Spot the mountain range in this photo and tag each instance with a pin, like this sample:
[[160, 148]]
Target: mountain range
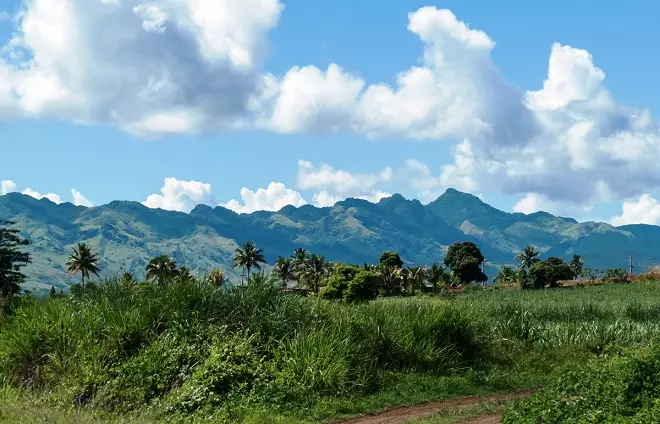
[[128, 234]]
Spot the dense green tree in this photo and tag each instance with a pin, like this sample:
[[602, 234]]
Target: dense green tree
[[549, 273], [83, 261], [162, 269], [577, 265], [528, 257], [12, 259], [392, 259], [249, 256], [284, 269], [363, 287], [506, 275], [465, 259]]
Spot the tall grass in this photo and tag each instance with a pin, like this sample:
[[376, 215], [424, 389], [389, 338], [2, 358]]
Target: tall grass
[[119, 346], [187, 347]]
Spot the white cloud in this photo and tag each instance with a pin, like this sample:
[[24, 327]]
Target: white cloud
[[332, 185], [150, 67], [50, 196], [180, 66], [645, 210], [79, 199], [309, 99], [272, 198], [181, 196], [324, 199], [7, 186]]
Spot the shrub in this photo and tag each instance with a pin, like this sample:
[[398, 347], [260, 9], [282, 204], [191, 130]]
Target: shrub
[[232, 370], [615, 275], [363, 286], [622, 389]]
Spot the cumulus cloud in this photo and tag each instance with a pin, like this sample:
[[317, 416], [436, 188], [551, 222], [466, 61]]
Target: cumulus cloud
[[50, 196], [332, 185], [644, 210], [7, 186], [272, 198], [181, 196], [179, 66], [153, 67], [79, 199]]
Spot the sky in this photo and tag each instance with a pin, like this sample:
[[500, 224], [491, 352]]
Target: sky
[[256, 104]]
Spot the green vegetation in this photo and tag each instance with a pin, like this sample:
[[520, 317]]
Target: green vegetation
[[190, 350], [182, 348], [12, 259], [127, 235]]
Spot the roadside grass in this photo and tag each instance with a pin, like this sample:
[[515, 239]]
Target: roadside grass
[[187, 352]]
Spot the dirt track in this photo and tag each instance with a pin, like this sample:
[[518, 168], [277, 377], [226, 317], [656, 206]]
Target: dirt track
[[486, 419], [406, 414]]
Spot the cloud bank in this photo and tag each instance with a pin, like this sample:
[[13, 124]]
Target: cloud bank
[[180, 66]]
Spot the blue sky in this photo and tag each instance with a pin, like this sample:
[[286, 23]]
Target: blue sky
[[61, 144]]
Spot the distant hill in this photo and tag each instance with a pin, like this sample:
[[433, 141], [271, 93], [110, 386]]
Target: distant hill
[[128, 234]]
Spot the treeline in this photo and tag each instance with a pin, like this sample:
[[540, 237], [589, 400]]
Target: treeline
[[312, 273]]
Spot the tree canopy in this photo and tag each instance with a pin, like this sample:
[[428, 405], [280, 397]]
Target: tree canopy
[[391, 259], [465, 259], [12, 259]]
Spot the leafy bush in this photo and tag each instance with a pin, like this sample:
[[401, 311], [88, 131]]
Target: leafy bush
[[362, 287], [233, 370], [622, 389], [615, 275]]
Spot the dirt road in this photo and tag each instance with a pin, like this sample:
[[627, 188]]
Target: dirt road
[[406, 414]]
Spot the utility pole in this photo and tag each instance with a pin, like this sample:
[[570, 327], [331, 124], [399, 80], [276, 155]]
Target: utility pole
[[631, 266], [483, 269]]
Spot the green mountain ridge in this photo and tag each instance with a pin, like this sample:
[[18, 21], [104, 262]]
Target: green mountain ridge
[[128, 234]]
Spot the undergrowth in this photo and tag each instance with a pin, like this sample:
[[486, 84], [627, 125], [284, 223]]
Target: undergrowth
[[189, 351]]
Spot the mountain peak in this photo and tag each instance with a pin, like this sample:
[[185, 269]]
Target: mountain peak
[[455, 206]]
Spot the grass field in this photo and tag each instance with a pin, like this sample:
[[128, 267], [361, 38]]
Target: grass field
[[188, 352]]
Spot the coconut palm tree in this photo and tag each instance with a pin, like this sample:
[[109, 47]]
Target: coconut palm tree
[[284, 269], [314, 270], [436, 275], [162, 269], [217, 277], [249, 256], [506, 275], [577, 266], [298, 261], [389, 277], [528, 257], [416, 277], [83, 261]]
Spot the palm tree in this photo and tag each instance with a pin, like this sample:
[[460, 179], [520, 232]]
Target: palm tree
[[435, 274], [217, 277], [162, 269], [284, 269], [506, 275], [83, 261], [313, 271], [389, 277], [416, 275], [298, 261], [249, 256], [528, 257], [577, 266]]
